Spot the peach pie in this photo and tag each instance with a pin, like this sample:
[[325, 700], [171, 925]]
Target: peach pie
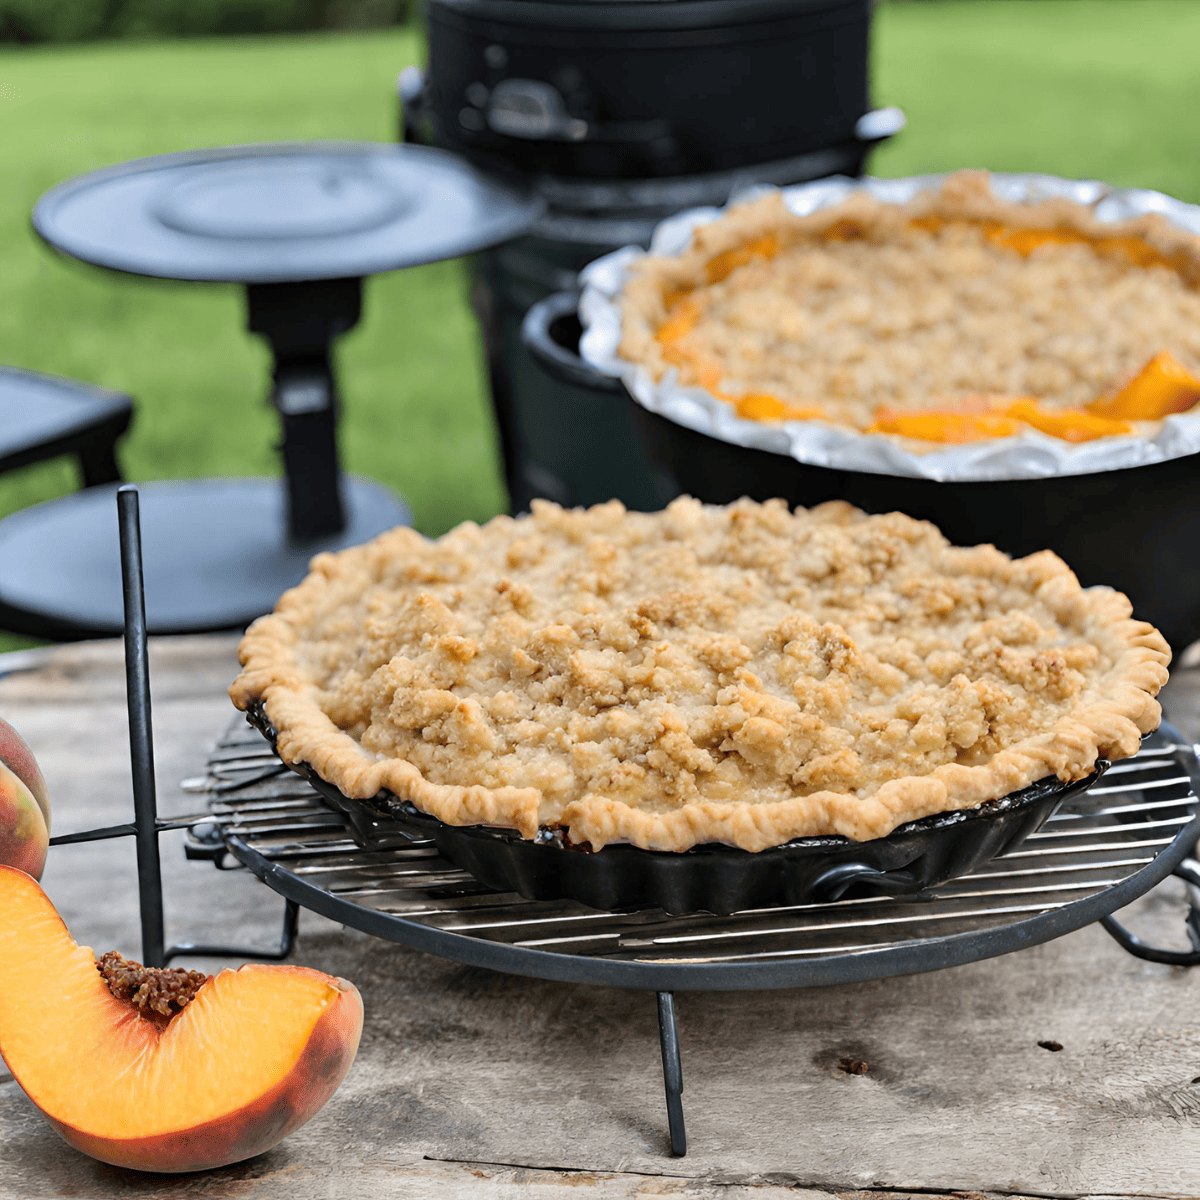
[[954, 317], [740, 674]]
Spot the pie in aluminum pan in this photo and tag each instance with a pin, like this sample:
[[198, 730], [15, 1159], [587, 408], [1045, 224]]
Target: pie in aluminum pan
[[954, 317], [742, 674]]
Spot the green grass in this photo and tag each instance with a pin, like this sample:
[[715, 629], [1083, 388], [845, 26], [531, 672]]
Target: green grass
[[1101, 89], [1089, 88]]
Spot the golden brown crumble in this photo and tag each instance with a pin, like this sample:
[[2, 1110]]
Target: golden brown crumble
[[867, 304], [741, 674]]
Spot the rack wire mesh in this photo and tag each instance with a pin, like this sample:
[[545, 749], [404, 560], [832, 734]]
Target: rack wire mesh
[[1096, 854]]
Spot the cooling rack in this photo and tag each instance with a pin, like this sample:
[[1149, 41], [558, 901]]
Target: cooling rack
[[1103, 849]]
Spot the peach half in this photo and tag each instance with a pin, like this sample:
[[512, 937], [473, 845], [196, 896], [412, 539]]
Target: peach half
[[164, 1070], [16, 755], [24, 834]]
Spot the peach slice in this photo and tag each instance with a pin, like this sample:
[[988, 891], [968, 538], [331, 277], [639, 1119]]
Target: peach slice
[[1162, 387], [164, 1070], [724, 265], [681, 320], [951, 426], [1069, 424], [761, 406]]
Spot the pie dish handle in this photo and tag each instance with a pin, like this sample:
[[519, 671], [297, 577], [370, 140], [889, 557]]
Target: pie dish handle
[[551, 331], [834, 882]]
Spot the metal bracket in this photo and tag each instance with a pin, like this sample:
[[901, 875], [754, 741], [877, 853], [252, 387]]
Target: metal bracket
[[672, 1072], [834, 882], [206, 843], [128, 829], [287, 942], [1189, 872]]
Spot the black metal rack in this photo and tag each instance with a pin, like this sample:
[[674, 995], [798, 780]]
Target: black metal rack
[[1103, 849], [146, 824]]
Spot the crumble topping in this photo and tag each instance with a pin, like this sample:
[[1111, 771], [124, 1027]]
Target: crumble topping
[[742, 673], [955, 300]]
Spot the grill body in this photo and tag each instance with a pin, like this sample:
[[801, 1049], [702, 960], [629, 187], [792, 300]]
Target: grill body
[[644, 88], [618, 113]]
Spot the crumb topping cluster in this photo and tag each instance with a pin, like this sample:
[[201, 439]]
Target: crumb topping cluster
[[742, 674]]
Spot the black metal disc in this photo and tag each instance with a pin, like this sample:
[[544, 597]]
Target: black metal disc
[[215, 551], [283, 212]]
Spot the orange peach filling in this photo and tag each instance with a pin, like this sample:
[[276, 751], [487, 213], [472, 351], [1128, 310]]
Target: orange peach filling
[[1161, 388]]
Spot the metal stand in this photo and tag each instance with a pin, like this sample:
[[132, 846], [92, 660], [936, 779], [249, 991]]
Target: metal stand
[[672, 1072], [301, 321], [1189, 872], [141, 737], [1105, 848], [146, 824]]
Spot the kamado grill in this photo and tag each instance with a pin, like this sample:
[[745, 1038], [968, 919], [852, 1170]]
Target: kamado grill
[[617, 114]]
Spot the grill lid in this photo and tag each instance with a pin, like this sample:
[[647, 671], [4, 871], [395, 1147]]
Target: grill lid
[[635, 14], [641, 88]]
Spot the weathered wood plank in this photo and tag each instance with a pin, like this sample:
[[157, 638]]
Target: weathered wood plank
[[461, 1067]]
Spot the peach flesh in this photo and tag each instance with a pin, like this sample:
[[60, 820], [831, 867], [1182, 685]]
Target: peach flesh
[[254, 1055]]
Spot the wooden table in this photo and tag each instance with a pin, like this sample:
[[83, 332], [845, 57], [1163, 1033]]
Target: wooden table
[[492, 1086]]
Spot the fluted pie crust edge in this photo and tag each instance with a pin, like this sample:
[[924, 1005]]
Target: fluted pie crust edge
[[750, 754]]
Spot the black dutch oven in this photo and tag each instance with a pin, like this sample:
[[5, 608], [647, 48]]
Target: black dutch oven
[[1130, 529]]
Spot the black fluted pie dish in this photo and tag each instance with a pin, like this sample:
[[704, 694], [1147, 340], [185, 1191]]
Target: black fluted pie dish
[[710, 877]]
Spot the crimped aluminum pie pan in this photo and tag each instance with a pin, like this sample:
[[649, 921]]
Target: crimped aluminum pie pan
[[711, 877], [1030, 455]]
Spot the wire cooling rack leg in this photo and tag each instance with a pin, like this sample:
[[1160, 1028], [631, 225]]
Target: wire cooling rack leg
[[668, 1036], [141, 742], [287, 941]]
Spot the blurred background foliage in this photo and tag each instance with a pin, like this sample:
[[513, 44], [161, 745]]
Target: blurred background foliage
[[79, 20]]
